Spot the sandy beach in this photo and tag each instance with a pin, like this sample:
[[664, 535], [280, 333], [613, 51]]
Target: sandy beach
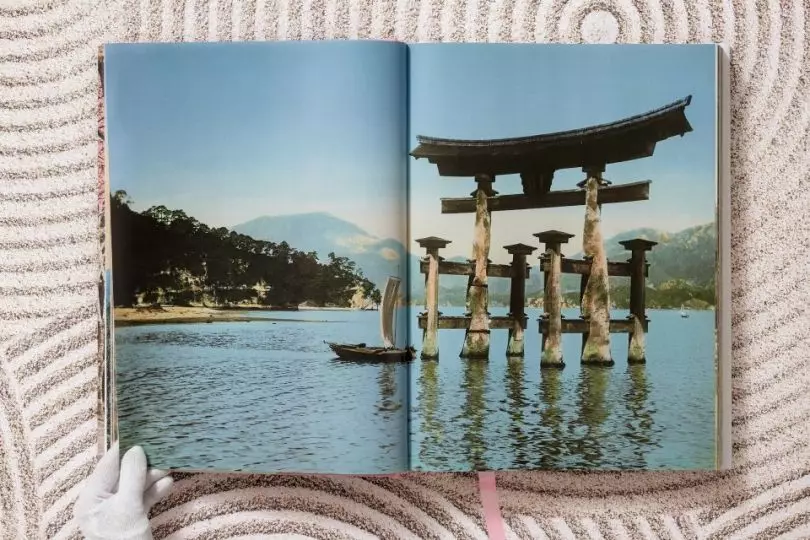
[[178, 315], [174, 314], [331, 308]]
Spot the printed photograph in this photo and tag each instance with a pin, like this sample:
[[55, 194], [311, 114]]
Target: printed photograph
[[369, 257], [563, 256], [258, 254]]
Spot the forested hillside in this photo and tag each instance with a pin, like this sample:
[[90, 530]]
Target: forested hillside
[[166, 255]]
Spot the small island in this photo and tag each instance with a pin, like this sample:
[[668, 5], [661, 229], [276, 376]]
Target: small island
[[179, 270]]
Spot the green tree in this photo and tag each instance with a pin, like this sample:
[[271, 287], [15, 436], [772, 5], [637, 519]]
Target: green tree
[[371, 292], [165, 250]]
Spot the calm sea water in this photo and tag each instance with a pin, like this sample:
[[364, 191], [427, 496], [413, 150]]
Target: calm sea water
[[503, 414], [265, 396]]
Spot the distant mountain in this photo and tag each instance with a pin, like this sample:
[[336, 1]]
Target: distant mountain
[[324, 233], [687, 255], [690, 254], [319, 232]]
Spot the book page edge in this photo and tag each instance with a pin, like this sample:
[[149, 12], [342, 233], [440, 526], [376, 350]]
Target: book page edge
[[723, 316]]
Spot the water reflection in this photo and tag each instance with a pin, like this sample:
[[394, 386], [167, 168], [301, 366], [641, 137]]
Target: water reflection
[[432, 429], [516, 403], [551, 442], [593, 411], [388, 389], [639, 424], [474, 412], [594, 417], [260, 397], [266, 397], [510, 413]]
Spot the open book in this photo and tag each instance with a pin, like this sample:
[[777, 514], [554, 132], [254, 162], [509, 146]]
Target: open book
[[374, 257]]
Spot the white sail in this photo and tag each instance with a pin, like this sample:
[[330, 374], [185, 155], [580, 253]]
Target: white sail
[[389, 304]]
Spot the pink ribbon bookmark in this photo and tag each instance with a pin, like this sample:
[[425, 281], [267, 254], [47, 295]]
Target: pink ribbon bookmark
[[492, 508]]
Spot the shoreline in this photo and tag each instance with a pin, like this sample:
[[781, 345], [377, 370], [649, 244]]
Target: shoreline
[[197, 314], [271, 308], [709, 308], [139, 316]]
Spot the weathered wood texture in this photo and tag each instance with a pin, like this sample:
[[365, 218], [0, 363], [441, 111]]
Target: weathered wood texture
[[635, 191], [517, 297], [536, 157], [468, 269], [476, 342], [583, 267], [430, 345], [552, 338], [636, 353], [596, 299], [461, 322], [551, 262], [430, 338], [583, 308], [515, 346], [581, 326], [638, 269]]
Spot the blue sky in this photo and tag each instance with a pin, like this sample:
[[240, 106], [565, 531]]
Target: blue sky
[[230, 132], [472, 91]]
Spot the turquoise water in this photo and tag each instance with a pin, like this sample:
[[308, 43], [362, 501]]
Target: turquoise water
[[505, 414], [261, 396], [269, 396]]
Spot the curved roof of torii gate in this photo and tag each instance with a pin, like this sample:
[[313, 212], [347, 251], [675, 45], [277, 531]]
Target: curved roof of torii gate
[[627, 139]]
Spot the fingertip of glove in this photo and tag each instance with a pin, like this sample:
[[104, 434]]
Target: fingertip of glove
[[136, 455], [133, 472], [158, 491]]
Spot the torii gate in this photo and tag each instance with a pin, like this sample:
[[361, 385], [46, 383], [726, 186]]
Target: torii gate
[[536, 158]]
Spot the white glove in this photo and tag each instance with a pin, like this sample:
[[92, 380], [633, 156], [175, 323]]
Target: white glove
[[112, 507]]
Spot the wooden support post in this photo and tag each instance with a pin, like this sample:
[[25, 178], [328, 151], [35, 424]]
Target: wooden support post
[[596, 299], [476, 342], [638, 248], [552, 298], [636, 353], [517, 297], [470, 281], [430, 342], [583, 308], [467, 311]]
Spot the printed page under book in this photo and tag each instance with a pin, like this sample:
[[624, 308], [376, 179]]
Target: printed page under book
[[564, 257], [258, 227]]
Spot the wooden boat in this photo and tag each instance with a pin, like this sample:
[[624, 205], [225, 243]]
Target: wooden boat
[[360, 352]]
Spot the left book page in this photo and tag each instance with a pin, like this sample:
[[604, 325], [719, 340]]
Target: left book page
[[255, 215]]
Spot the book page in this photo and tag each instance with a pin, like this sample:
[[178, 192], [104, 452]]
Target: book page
[[257, 224], [564, 254]]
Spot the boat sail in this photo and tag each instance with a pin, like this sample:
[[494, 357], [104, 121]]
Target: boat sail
[[684, 314], [360, 352], [388, 314]]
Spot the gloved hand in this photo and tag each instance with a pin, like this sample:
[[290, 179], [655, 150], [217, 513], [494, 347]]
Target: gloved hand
[[113, 507]]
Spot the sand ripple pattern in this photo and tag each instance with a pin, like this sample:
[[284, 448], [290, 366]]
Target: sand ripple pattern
[[49, 254]]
